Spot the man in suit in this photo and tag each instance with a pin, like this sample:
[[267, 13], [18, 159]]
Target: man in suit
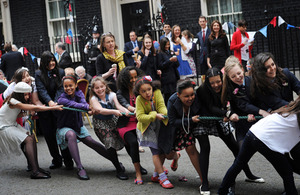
[[202, 41], [132, 47], [64, 58], [167, 30], [11, 61]]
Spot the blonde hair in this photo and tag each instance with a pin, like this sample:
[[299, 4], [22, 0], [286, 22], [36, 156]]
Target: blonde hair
[[230, 63]]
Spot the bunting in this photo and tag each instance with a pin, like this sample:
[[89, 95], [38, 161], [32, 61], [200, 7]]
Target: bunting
[[68, 40], [273, 21], [70, 32]]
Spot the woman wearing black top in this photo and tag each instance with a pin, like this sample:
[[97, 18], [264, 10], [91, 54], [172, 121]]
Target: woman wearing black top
[[49, 87], [218, 47], [168, 65], [209, 94], [149, 58], [110, 55]]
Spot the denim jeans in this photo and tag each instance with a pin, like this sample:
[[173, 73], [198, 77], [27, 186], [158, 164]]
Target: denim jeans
[[250, 146]]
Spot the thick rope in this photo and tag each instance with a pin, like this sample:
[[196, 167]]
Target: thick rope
[[221, 118]]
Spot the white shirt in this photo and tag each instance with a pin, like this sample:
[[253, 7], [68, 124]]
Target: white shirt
[[279, 133], [111, 97], [244, 53], [8, 115]]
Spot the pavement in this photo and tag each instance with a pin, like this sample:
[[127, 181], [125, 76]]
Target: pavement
[[15, 180]]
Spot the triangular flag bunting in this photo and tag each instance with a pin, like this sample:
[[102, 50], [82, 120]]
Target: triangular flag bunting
[[32, 57], [230, 25], [25, 51], [70, 32], [21, 50], [71, 18], [68, 40], [280, 20], [225, 27], [290, 26], [273, 21], [264, 31], [70, 7]]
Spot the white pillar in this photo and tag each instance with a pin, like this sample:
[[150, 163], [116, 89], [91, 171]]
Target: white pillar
[[7, 29]]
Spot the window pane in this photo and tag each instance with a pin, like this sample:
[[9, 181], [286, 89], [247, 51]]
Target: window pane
[[57, 29], [61, 9], [237, 5], [225, 6], [227, 18], [53, 10], [212, 7], [0, 12], [211, 19]]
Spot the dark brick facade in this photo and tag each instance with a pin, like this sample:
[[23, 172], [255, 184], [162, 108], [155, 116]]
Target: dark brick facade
[[283, 43], [184, 12], [29, 21]]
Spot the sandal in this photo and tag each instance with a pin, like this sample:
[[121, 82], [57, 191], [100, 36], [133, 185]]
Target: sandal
[[173, 167], [182, 179], [138, 182], [166, 186]]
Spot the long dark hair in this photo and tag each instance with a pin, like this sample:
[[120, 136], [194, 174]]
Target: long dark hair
[[19, 74], [260, 82], [212, 35], [215, 97], [292, 108], [162, 44], [17, 96], [123, 81], [47, 56]]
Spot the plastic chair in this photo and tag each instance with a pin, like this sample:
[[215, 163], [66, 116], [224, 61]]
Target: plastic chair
[[83, 85]]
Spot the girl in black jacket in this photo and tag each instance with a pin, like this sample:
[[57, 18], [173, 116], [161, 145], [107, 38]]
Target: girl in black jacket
[[209, 94], [168, 64]]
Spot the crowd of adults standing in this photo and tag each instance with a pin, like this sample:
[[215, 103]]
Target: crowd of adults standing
[[119, 82]]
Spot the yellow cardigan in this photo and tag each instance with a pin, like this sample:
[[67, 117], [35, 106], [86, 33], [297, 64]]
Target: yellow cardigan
[[144, 113]]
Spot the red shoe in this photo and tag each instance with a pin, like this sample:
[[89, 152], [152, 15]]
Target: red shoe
[[154, 179], [173, 167], [166, 170], [166, 186], [138, 182]]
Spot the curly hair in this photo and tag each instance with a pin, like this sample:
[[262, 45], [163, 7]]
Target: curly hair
[[140, 81], [260, 82], [123, 81]]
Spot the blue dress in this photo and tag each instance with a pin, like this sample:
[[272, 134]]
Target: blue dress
[[184, 67]]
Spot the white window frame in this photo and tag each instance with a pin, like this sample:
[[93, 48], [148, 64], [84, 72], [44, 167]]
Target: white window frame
[[75, 56], [219, 15]]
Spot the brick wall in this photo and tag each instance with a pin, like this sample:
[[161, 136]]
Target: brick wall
[[283, 43], [184, 12], [29, 20]]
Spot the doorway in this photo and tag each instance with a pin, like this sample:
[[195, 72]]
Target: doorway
[[135, 16]]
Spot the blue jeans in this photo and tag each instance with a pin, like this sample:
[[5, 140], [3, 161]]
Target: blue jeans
[[250, 146]]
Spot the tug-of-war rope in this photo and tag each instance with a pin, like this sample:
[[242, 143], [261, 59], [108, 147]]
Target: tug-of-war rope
[[201, 117]]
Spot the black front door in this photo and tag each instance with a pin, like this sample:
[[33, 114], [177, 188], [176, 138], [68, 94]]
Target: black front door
[[136, 16]]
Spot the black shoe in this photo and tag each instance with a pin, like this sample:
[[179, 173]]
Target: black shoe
[[122, 176], [143, 171], [44, 171], [37, 175], [82, 177], [55, 166], [122, 167]]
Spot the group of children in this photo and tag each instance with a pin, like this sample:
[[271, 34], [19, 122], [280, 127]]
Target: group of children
[[139, 113]]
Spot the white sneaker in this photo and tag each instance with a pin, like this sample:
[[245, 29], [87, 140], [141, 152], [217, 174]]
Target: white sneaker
[[258, 180], [204, 192]]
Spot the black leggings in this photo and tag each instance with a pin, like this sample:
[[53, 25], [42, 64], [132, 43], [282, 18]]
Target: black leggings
[[205, 150], [132, 146]]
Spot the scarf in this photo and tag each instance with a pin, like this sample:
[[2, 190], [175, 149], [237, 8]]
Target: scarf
[[118, 59]]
